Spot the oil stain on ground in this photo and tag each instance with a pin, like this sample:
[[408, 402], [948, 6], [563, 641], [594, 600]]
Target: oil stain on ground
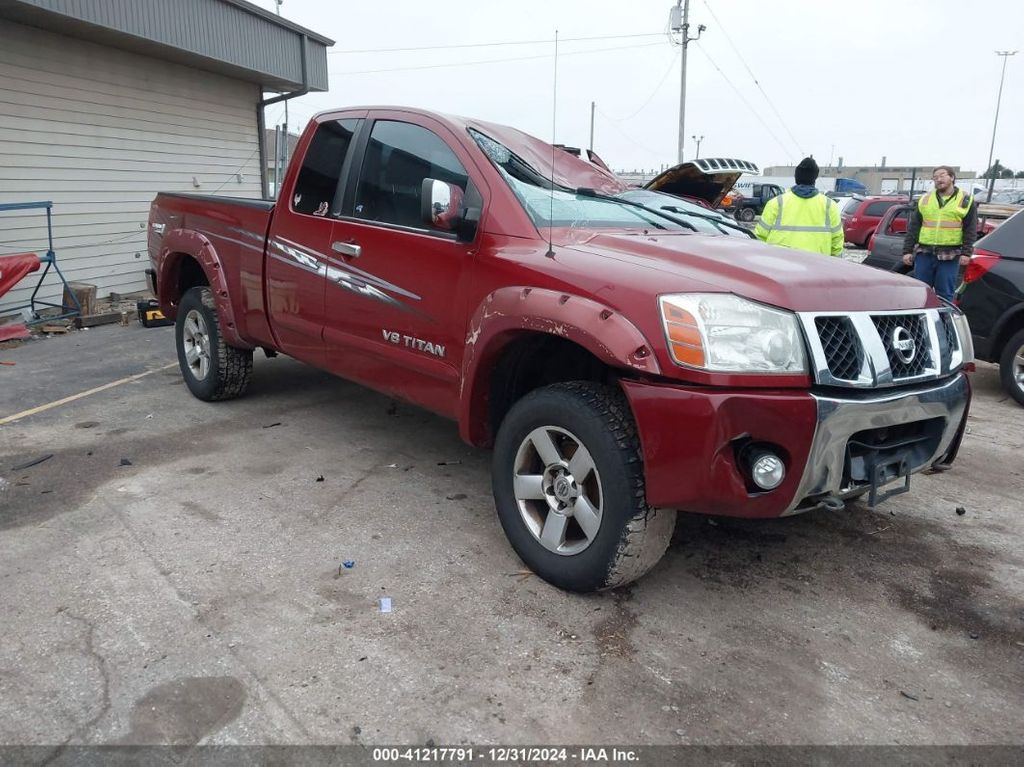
[[184, 711]]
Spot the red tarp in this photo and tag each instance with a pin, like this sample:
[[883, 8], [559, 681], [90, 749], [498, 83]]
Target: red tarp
[[12, 270]]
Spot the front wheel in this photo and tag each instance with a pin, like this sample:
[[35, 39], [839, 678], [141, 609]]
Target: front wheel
[[745, 214], [212, 370], [568, 484], [1011, 366]]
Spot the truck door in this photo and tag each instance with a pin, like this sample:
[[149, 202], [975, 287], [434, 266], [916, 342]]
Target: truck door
[[395, 292], [301, 236]]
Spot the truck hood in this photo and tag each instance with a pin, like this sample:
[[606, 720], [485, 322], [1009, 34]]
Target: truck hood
[[709, 179], [789, 279]]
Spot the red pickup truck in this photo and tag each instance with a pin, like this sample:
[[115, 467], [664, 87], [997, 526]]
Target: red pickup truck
[[623, 359]]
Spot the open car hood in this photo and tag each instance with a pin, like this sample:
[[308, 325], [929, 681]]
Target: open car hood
[[705, 179]]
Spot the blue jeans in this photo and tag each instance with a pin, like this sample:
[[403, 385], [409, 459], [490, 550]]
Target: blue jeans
[[941, 275]]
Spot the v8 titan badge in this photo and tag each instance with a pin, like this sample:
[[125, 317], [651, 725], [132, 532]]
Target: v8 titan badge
[[412, 342]]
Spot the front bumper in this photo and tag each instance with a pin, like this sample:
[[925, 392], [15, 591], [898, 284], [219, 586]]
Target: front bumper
[[691, 438]]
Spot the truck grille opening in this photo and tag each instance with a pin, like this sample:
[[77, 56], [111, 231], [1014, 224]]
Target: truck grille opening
[[843, 352], [915, 325], [915, 442]]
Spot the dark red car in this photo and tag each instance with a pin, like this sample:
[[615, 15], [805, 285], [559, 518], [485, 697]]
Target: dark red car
[[861, 217]]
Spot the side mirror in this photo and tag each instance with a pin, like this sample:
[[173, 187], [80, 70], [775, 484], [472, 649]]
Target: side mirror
[[443, 206]]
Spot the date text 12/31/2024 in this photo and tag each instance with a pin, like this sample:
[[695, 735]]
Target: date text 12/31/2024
[[503, 754]]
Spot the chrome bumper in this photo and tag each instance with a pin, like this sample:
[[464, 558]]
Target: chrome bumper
[[841, 418]]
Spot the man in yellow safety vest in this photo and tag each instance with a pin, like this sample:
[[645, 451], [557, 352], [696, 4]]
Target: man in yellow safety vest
[[802, 218], [941, 233]]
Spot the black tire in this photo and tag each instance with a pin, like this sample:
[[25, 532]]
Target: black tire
[[1011, 366], [745, 214], [227, 370], [867, 239], [630, 536]]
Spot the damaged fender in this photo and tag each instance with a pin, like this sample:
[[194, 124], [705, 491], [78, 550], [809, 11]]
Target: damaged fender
[[175, 246], [509, 312]]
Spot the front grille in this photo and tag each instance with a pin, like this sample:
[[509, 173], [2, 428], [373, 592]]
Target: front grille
[[916, 328], [843, 352]]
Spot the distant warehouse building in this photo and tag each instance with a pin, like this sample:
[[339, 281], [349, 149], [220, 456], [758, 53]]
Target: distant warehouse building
[[879, 179], [105, 103]]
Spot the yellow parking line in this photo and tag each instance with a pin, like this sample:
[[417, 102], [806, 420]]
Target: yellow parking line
[[80, 395]]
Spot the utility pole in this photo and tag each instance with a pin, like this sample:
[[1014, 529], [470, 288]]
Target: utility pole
[[999, 98], [679, 21], [592, 106], [698, 140]]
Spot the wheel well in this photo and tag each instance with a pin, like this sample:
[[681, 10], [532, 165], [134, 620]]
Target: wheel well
[[534, 361], [1011, 326], [190, 275]]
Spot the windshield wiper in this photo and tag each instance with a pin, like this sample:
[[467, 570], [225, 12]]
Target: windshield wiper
[[707, 217], [584, 191]]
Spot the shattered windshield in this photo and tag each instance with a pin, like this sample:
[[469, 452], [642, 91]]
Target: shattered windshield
[[557, 206]]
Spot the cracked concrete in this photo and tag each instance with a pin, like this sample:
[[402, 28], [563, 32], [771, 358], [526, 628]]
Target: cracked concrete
[[197, 595]]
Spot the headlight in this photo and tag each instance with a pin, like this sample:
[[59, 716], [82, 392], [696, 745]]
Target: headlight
[[724, 333], [963, 334]]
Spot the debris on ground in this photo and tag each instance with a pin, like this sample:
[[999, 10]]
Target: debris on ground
[[32, 463], [385, 604], [348, 564], [960, 511], [320, 478], [881, 530], [125, 462], [392, 409], [448, 463], [272, 425], [974, 635], [392, 465], [908, 695], [6, 362], [456, 497]]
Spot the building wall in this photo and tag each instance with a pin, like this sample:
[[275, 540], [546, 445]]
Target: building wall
[[99, 132]]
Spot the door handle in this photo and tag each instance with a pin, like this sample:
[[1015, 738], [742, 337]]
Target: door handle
[[349, 249]]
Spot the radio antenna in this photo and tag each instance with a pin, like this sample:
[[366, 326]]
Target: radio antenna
[[554, 114]]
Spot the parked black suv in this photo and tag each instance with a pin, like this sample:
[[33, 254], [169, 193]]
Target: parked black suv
[[992, 297]]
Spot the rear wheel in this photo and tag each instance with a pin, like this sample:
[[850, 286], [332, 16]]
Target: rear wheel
[[1011, 366], [569, 488], [212, 370], [745, 214]]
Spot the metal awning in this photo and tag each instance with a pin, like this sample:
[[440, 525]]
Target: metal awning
[[231, 37]]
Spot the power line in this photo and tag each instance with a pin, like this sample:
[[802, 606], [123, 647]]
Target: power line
[[744, 100], [753, 77], [657, 88], [492, 61], [494, 44], [615, 125]]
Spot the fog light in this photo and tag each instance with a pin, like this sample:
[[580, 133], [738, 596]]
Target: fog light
[[767, 471]]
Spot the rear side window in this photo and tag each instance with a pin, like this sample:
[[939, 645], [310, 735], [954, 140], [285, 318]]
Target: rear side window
[[1006, 238], [321, 168], [877, 208], [398, 158], [851, 207]]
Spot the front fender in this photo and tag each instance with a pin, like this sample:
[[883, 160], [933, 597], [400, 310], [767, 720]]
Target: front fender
[[509, 312], [179, 244]]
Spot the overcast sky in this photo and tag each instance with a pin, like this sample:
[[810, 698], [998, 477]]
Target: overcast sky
[[858, 80]]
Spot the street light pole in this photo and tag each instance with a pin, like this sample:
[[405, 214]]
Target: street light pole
[[679, 21], [698, 140], [999, 98]]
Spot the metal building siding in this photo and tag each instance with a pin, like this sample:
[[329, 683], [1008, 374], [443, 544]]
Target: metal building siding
[[211, 28], [100, 131]]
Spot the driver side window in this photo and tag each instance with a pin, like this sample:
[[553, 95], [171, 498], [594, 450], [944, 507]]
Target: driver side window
[[398, 158]]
